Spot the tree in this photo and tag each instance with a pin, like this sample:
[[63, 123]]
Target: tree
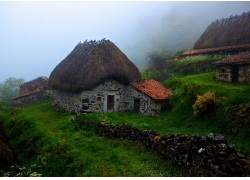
[[157, 59], [10, 88]]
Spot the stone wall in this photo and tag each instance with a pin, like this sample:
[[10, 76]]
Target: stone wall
[[202, 155], [223, 73], [35, 96], [96, 100], [244, 73]]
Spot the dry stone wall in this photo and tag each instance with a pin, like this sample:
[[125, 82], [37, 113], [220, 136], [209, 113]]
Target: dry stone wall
[[96, 100], [23, 100], [210, 155], [223, 73], [244, 73]]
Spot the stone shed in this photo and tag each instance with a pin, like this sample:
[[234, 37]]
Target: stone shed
[[98, 77], [32, 91], [234, 69]]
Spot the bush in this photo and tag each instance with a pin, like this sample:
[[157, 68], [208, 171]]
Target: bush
[[204, 103]]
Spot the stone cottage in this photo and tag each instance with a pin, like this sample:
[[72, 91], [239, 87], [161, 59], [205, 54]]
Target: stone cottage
[[234, 69], [228, 35], [32, 91], [98, 77]]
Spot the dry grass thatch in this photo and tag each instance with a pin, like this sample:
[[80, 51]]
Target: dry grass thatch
[[90, 64], [7, 156], [234, 30]]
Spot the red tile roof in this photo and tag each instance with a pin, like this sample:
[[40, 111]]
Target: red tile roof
[[210, 50], [42, 77], [153, 89], [243, 57]]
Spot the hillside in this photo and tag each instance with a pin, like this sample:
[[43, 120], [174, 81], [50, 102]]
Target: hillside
[[50, 142]]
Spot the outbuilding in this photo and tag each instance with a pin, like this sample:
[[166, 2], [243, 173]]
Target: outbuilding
[[234, 69], [32, 91]]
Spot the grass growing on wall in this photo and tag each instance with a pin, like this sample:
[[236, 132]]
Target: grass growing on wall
[[199, 58]]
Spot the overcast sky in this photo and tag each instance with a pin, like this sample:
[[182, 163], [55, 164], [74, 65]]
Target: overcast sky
[[36, 36]]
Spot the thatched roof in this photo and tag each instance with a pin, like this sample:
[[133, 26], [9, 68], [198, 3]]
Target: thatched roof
[[226, 32], [91, 63], [241, 58]]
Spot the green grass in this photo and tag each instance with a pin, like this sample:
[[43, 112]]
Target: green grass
[[61, 147], [70, 151], [199, 58]]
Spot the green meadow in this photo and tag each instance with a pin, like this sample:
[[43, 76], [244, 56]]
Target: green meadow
[[50, 143]]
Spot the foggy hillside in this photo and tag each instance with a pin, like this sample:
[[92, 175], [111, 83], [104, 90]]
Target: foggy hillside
[[180, 28]]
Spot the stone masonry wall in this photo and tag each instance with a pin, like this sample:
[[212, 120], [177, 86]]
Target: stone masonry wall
[[244, 73], [95, 100], [22, 100], [223, 73]]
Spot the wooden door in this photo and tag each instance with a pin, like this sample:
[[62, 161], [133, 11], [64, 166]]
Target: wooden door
[[235, 73], [137, 105], [110, 103]]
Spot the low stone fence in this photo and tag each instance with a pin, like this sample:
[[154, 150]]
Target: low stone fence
[[210, 155]]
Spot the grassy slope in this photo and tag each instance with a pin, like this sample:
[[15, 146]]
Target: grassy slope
[[92, 155]]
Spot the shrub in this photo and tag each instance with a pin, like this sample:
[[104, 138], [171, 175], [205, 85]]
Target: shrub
[[204, 103]]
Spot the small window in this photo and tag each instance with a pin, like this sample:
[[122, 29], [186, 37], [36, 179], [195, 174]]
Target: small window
[[223, 70], [99, 99], [152, 103], [144, 105]]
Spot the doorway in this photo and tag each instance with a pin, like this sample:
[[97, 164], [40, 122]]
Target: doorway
[[110, 103], [235, 73], [137, 105]]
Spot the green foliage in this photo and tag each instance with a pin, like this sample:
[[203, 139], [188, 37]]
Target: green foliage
[[150, 73], [199, 58], [239, 115], [205, 103], [10, 88]]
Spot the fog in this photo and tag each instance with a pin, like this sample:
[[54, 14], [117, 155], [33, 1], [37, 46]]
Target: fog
[[36, 36]]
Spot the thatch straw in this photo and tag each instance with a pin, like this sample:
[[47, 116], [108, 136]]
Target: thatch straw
[[226, 32], [90, 64]]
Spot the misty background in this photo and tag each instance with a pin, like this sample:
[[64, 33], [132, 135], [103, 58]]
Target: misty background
[[37, 36]]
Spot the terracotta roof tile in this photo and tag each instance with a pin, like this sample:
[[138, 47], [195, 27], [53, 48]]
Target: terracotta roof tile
[[153, 89], [209, 50], [43, 77], [243, 57]]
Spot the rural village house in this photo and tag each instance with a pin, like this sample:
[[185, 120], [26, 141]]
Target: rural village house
[[234, 69], [98, 77], [32, 91]]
